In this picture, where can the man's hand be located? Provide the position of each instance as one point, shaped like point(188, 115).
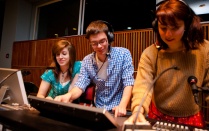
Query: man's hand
point(64, 98)
point(119, 111)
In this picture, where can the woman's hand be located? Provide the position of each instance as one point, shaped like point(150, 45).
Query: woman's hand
point(49, 98)
point(140, 118)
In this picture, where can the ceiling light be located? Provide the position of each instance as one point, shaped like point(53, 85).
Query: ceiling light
point(202, 5)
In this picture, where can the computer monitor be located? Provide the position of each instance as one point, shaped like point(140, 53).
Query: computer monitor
point(12, 89)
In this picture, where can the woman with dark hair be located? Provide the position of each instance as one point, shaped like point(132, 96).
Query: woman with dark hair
point(164, 68)
point(60, 80)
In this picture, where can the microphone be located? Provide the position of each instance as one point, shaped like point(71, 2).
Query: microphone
point(192, 80)
point(49, 67)
point(25, 73)
point(38, 67)
point(148, 90)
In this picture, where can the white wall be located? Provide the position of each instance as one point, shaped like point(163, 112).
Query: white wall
point(16, 27)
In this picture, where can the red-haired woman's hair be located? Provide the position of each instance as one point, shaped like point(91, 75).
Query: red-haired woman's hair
point(168, 12)
point(56, 49)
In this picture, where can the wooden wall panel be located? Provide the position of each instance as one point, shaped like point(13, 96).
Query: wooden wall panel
point(136, 41)
point(82, 46)
point(21, 53)
point(206, 30)
point(41, 53)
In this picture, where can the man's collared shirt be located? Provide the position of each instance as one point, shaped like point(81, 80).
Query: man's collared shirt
point(108, 93)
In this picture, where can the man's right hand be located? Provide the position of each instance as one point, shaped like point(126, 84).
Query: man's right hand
point(73, 94)
point(64, 98)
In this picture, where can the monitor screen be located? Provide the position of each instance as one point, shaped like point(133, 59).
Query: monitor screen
point(12, 89)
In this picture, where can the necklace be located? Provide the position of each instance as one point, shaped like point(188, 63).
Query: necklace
point(63, 76)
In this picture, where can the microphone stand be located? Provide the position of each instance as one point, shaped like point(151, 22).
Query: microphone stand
point(203, 90)
point(148, 90)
